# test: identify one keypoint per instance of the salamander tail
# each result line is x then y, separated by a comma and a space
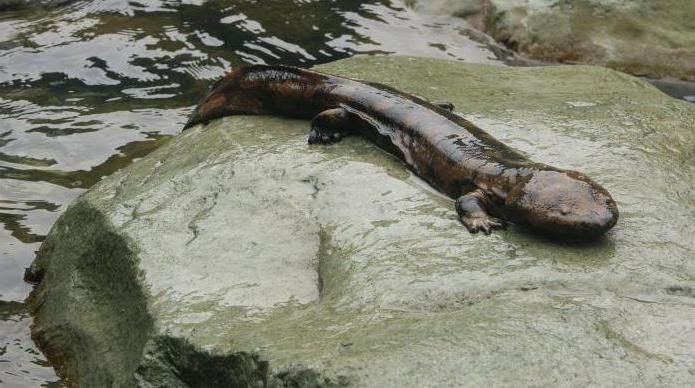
261, 89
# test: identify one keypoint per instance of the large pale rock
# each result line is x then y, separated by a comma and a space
642, 37
236, 254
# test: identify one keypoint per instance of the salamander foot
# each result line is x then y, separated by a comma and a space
484, 224
472, 211
329, 126
319, 135
445, 105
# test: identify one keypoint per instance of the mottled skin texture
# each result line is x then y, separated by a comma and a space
491, 182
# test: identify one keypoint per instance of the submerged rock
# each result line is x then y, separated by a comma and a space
238, 255
641, 37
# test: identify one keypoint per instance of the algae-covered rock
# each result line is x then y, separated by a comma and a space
238, 255
642, 37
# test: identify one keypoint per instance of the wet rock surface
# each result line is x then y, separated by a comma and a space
643, 37
238, 254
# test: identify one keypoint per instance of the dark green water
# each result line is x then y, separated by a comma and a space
88, 87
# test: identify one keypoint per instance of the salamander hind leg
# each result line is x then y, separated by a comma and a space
445, 105
330, 126
473, 213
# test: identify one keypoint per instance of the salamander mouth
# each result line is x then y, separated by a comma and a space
577, 230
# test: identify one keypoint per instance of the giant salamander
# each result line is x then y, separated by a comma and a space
491, 182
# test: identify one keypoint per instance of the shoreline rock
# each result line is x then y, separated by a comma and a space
238, 254
644, 38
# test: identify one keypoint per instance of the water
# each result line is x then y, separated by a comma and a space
88, 87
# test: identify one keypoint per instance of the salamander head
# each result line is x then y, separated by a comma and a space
563, 203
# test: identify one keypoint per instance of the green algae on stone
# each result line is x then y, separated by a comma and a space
89, 285
641, 37
243, 255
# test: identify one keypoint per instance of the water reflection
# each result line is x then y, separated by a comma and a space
87, 87
22, 363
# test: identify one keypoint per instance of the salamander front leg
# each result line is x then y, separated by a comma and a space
473, 213
330, 126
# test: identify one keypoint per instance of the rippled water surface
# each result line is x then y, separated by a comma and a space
87, 87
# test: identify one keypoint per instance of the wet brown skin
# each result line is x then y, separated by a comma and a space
491, 182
